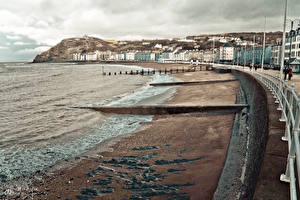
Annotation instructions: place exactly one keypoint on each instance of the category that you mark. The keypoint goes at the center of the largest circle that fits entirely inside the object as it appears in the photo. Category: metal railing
(289, 105)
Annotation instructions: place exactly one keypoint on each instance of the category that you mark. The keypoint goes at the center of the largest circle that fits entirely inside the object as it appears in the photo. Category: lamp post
(245, 56)
(253, 50)
(213, 52)
(264, 46)
(283, 43)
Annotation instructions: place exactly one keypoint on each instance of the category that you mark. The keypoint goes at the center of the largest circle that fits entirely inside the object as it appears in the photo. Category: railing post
(286, 176)
(283, 94)
(296, 137)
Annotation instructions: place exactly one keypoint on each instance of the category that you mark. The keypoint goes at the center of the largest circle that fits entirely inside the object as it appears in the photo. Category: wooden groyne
(143, 72)
(168, 109)
(192, 82)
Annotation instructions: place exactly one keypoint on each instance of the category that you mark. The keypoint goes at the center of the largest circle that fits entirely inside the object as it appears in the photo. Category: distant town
(237, 49)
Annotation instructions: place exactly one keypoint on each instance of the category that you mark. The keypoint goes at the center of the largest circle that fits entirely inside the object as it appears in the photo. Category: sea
(41, 120)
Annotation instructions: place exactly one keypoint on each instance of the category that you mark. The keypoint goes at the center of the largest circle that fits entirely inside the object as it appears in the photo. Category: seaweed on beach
(133, 162)
(95, 172)
(177, 161)
(102, 182)
(144, 191)
(145, 148)
(3, 178)
(175, 170)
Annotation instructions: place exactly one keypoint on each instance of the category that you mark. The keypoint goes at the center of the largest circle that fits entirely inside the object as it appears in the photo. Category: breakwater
(191, 68)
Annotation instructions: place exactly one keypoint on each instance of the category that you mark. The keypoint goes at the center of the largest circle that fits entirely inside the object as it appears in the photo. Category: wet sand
(174, 156)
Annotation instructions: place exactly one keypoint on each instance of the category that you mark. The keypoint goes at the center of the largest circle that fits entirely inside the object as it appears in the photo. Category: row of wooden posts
(165, 71)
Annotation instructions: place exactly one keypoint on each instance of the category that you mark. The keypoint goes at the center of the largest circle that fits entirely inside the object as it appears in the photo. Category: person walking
(285, 71)
(290, 73)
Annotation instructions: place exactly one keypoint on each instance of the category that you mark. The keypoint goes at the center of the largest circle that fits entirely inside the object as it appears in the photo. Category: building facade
(226, 53)
(292, 49)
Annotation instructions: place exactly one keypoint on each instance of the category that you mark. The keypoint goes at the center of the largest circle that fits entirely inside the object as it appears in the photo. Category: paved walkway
(269, 185)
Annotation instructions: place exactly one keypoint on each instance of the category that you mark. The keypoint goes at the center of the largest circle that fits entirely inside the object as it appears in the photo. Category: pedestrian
(290, 73)
(285, 71)
(255, 67)
(250, 67)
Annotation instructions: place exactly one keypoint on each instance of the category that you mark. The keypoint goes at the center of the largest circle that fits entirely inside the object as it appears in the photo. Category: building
(276, 55)
(196, 55)
(130, 56)
(226, 53)
(142, 56)
(292, 49)
(91, 56)
(249, 55)
(208, 56)
(76, 56)
(181, 55)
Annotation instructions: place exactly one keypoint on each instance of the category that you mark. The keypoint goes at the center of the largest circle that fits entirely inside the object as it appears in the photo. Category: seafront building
(252, 56)
(242, 53)
(226, 54)
(292, 50)
(276, 54)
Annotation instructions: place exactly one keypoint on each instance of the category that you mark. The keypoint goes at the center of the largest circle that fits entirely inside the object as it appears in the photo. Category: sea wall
(247, 143)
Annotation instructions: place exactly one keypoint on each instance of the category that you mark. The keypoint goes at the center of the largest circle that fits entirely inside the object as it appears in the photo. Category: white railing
(289, 105)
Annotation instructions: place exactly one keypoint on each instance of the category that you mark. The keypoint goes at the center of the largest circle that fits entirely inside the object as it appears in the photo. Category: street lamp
(283, 43)
(264, 46)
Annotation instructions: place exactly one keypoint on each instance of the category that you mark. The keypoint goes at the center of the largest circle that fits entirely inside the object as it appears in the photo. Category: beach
(172, 156)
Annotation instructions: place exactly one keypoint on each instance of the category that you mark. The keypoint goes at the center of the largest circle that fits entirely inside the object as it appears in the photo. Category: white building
(196, 55)
(181, 56)
(292, 48)
(130, 56)
(113, 56)
(158, 46)
(275, 55)
(208, 56)
(226, 53)
(76, 56)
(152, 56)
(91, 56)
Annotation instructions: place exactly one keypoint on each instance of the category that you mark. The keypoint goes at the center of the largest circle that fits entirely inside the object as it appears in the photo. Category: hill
(64, 50)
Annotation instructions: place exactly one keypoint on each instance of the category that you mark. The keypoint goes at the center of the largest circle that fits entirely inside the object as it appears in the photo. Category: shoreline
(112, 148)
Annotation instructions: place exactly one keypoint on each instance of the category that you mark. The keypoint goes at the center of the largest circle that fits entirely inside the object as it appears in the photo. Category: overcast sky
(28, 27)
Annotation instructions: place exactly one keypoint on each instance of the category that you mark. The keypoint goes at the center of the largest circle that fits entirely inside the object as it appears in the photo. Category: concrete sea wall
(247, 143)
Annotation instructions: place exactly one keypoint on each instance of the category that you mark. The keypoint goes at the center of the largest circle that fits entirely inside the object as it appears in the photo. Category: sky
(28, 27)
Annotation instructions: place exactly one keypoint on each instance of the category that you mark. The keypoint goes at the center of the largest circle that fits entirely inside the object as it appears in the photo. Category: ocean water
(40, 124)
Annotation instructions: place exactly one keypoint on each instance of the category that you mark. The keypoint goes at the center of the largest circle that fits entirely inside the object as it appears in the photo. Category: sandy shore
(174, 156)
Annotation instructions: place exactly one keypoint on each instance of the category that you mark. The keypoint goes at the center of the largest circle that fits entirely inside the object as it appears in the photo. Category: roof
(227, 45)
(295, 62)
